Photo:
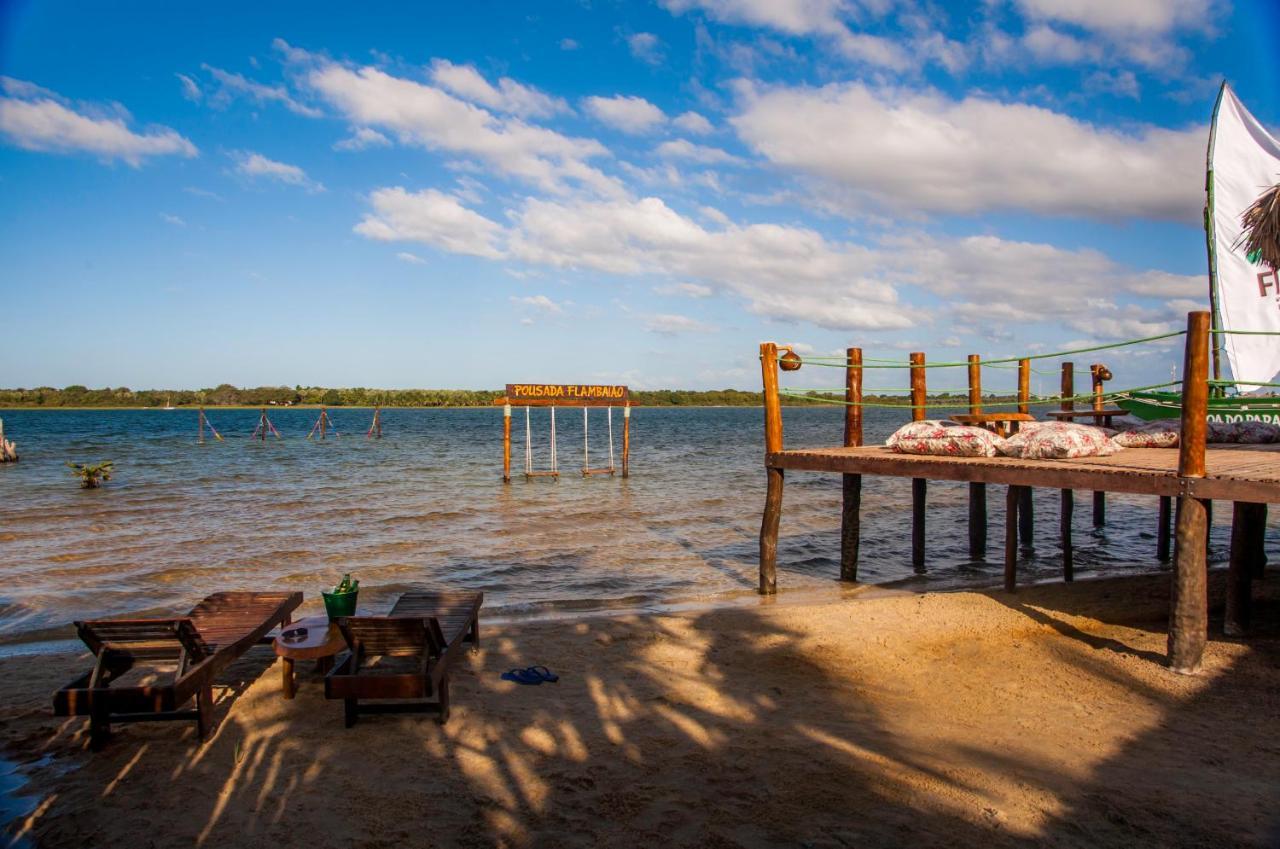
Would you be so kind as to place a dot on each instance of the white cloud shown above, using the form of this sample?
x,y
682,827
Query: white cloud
x,y
172,219
1152,17
1119,83
568,44
509,96
254,165
924,151
820,18
692,122
430,217
682,149
233,85
412,259
789,273
430,117
1049,46
625,112
190,90
37,119
362,138
539,302
687,290
669,324
646,47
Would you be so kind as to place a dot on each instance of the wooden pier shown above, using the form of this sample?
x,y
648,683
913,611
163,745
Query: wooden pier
x,y
1248,475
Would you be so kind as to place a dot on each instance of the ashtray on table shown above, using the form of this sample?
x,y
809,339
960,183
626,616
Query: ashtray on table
x,y
293,635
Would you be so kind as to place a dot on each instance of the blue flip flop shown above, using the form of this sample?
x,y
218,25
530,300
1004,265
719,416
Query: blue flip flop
x,y
543,673
522,676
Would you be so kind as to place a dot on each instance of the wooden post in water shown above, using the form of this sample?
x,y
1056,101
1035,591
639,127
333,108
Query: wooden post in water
x,y
324,422
773,495
851,485
626,439
977,491
1011,501
919,486
1067,391
375,429
262,425
1026,510
1189,605
199,428
1163,528
1248,533
506,442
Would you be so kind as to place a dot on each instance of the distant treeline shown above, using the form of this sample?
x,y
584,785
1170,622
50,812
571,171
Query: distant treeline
x,y
227,395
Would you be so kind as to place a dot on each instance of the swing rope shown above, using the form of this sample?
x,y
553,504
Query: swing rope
x,y
528,443
610,421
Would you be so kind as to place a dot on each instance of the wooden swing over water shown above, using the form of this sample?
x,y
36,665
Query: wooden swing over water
x,y
585,396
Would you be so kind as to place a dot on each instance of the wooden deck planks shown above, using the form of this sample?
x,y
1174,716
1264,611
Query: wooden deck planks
x,y
1234,472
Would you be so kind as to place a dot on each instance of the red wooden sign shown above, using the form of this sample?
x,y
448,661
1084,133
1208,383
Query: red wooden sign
x,y
566,395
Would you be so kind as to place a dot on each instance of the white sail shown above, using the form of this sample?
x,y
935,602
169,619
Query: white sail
x,y
1244,161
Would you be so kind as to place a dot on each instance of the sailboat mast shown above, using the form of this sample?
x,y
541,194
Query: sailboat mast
x,y
1215,343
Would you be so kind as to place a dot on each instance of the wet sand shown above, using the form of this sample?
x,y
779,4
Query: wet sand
x,y
956,719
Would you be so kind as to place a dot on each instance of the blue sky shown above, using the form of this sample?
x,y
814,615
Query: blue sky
x,y
469,194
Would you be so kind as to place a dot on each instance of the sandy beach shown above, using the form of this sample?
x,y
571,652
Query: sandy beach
x,y
948,719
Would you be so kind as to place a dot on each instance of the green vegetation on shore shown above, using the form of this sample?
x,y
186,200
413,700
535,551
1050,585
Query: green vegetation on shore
x,y
227,395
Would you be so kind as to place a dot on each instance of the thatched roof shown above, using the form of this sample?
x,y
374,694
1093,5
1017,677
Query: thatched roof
x,y
1261,222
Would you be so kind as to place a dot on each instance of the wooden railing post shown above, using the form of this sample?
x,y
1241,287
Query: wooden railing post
x,y
919,486
1189,606
773,494
851,485
1026,510
1068,390
977,491
1024,386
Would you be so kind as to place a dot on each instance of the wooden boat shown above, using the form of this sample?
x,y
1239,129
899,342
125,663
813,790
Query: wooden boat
x,y
1227,408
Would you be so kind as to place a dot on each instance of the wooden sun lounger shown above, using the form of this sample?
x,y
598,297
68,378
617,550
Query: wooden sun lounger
x,y
427,627
216,632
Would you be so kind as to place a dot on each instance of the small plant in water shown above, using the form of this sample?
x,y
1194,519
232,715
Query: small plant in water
x,y
91,476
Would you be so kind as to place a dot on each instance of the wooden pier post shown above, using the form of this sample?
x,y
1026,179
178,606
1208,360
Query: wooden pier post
x,y
1064,529
1067,391
1189,608
506,442
1024,386
324,422
199,428
977,491
851,485
773,496
626,439
1248,534
919,486
1163,528
375,429
1011,501
1026,511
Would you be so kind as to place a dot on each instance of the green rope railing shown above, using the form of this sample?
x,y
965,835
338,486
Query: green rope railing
x,y
1241,383
961,404
841,362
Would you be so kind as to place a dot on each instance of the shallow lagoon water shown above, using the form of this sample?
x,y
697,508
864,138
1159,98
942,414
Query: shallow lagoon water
x,y
426,505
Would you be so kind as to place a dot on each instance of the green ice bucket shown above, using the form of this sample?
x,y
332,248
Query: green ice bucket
x,y
340,604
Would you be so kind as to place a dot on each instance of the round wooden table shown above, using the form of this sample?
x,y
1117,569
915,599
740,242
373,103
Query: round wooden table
x,y
322,642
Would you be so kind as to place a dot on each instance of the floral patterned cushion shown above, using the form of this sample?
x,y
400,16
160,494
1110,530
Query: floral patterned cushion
x,y
1162,433
1059,441
944,438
